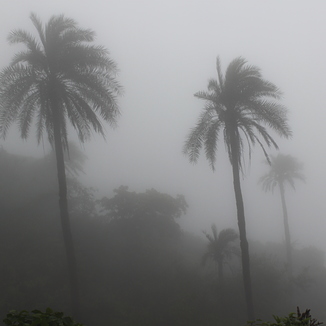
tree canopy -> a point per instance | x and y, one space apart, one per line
126 204
284 169
238 106
60 68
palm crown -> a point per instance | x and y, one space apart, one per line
238 105
283 169
219 247
59 70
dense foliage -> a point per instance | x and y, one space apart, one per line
140 268
38 318
293 319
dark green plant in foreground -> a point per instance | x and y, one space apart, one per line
298 319
38 318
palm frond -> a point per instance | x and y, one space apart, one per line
249 135
25 117
206 96
211 140
264 150
193 144
271 114
39 27
265 135
219 73
40 124
196 136
214 231
268 182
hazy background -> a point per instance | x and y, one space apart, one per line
166 51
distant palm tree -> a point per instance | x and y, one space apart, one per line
238 106
59 77
219 248
284 169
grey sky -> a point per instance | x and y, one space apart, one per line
166 51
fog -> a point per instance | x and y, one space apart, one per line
166 51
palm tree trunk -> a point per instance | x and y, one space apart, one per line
220 284
242 232
286 231
64 215
220 270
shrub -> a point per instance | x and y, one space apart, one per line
38 318
293 319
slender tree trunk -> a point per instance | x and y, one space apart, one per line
242 232
287 232
220 270
64 215
220 282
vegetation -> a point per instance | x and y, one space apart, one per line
59 77
237 105
38 318
299 319
126 205
136 265
139 268
219 248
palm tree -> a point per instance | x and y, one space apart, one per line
219 248
237 105
59 77
284 169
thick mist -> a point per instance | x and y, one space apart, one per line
166 52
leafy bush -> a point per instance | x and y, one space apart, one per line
38 318
293 319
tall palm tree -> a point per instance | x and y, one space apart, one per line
219 248
237 105
284 169
59 77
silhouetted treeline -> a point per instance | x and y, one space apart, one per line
136 265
